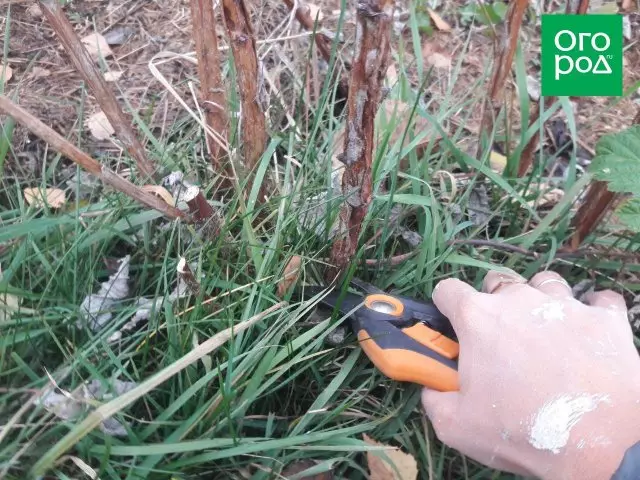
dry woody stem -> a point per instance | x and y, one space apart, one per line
203 214
597 202
66 148
211 86
105 97
504 48
243 47
368 70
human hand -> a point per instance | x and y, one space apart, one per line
549 386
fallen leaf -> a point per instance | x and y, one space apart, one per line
112 76
39 72
52 197
118 35
8 304
291 274
437 20
314 11
497 161
380 469
71 405
99 126
533 88
6 72
439 60
96 308
479 211
548 198
162 192
34 11
97 46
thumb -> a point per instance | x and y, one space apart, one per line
442 410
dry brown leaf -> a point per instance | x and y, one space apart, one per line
497 161
314 11
379 469
291 274
162 192
438 21
34 11
8 72
39 72
548 199
97 46
439 60
112 76
434 57
53 197
99 126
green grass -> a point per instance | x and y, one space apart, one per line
276 393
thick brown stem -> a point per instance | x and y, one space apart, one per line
526 159
504 48
243 47
211 87
66 148
368 71
323 42
598 201
583 7
204 215
105 97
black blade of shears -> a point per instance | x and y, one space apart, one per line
349 301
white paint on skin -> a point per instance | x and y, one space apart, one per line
549 312
552 424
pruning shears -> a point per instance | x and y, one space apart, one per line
407 339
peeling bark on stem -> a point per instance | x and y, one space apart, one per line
368 70
504 48
211 88
243 47
105 97
66 148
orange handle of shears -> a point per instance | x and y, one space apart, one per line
416 354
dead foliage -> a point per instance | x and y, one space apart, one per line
66 148
368 71
85 65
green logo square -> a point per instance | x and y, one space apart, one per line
581 55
